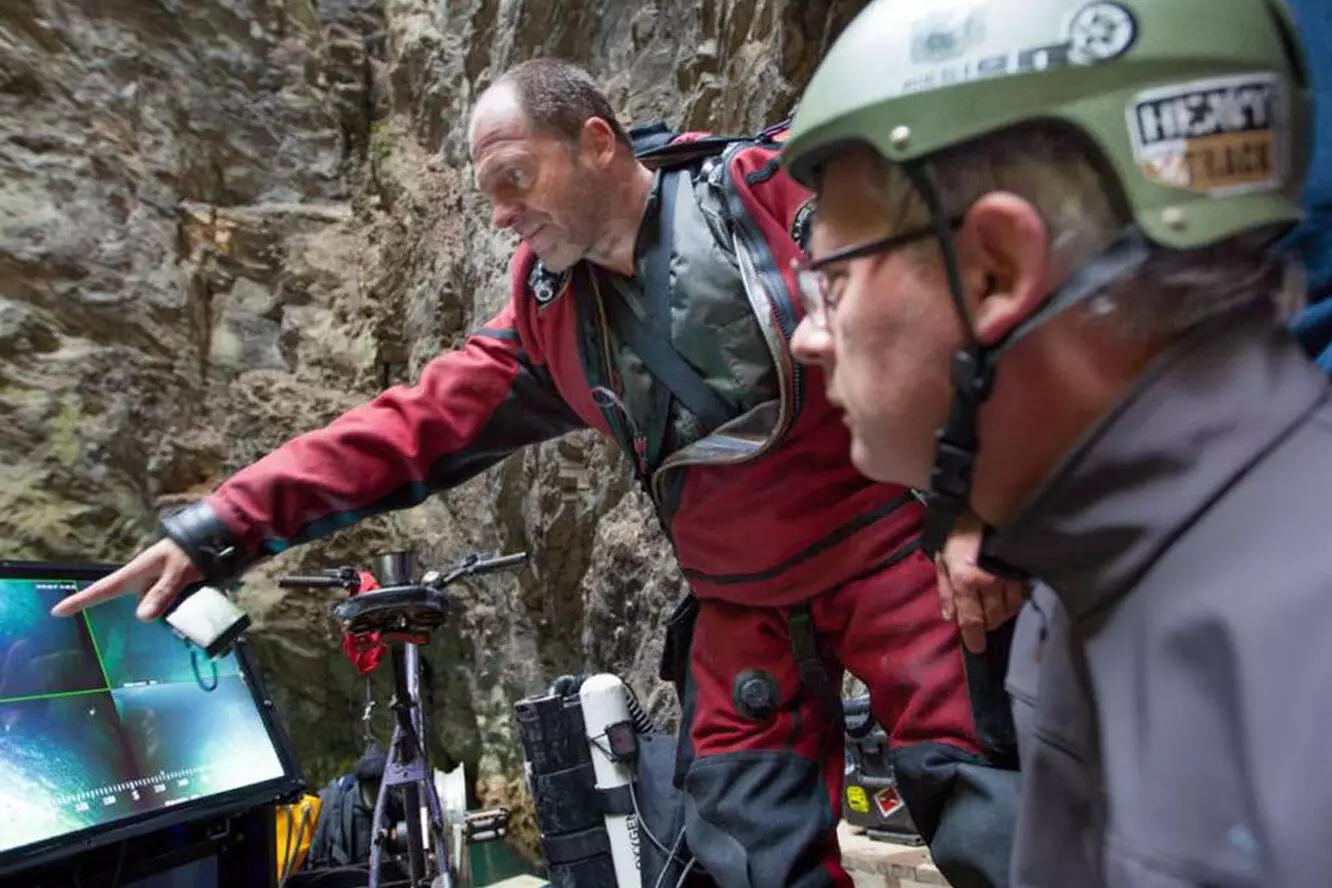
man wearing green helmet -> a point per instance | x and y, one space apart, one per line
1092 189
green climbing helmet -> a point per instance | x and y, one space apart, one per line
1202 107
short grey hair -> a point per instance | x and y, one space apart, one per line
1060 171
559 97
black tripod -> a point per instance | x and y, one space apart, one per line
405 612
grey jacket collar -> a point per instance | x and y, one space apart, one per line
1208 409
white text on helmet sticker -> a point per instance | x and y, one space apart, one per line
1220 136
954 43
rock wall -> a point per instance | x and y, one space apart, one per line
222 224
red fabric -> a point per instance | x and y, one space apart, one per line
365 651
372 451
885 629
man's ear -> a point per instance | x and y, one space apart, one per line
1005 257
597 141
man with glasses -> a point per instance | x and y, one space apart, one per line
656 307
1049 287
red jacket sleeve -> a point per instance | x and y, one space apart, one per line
469 409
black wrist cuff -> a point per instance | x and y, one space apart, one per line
208 541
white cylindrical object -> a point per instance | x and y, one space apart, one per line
605 702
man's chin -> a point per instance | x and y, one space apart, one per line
864 460
883 467
558 258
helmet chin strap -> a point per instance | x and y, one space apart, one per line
974 365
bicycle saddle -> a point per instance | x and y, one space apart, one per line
407 610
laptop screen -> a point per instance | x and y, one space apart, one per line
107 722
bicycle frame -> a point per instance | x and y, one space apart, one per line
408 769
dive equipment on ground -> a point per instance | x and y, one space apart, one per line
402 613
562 781
601 773
870 795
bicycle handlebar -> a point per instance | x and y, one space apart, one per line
347 578
473 565
499 562
312 582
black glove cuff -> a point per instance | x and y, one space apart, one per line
208 541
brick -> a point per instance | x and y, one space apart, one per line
875 864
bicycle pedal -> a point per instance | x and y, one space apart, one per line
489 825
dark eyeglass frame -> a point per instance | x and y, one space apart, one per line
812 280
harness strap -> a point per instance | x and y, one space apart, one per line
813 673
650 337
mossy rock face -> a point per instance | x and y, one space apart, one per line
252 216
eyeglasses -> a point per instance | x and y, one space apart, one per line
818 293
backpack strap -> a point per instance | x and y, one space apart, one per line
659 147
686 153
651 135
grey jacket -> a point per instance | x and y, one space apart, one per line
1172 674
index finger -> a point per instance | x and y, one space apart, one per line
128 578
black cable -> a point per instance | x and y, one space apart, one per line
642 722
285 866
115 877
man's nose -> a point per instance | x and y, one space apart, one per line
504 215
812 344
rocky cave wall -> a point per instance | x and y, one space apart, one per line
224 223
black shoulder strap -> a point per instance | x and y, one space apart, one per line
813 671
656 145
651 339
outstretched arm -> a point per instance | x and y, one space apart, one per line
470 409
